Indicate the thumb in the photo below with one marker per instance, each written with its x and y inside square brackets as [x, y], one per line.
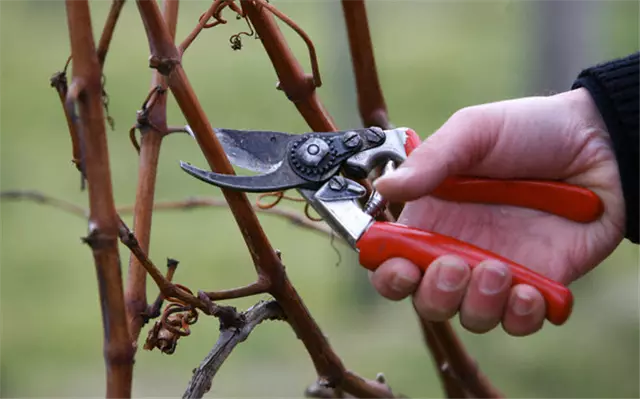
[463, 141]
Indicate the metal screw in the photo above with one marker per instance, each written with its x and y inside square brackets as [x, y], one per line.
[313, 151]
[375, 135]
[351, 139]
[337, 183]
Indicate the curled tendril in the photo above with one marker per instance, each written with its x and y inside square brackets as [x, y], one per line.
[315, 69]
[236, 41]
[173, 324]
[279, 196]
[183, 317]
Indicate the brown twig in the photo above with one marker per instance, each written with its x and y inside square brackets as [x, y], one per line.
[450, 384]
[168, 289]
[230, 337]
[259, 287]
[461, 365]
[296, 218]
[202, 24]
[298, 86]
[152, 129]
[153, 310]
[363, 388]
[373, 110]
[103, 221]
[315, 70]
[60, 83]
[41, 198]
[107, 31]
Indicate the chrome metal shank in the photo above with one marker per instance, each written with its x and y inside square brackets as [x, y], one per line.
[362, 163]
[337, 203]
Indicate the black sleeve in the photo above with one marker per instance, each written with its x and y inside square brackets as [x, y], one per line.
[614, 88]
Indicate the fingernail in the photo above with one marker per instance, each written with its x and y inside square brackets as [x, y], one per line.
[451, 276]
[403, 283]
[522, 304]
[492, 279]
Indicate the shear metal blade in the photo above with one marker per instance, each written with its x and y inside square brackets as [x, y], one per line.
[258, 151]
[282, 178]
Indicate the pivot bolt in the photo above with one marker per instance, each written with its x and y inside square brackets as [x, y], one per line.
[313, 151]
[351, 139]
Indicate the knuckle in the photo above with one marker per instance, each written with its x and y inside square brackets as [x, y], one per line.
[472, 113]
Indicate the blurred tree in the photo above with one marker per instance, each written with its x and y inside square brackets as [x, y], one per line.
[567, 38]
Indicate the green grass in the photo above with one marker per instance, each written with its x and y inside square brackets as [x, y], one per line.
[433, 58]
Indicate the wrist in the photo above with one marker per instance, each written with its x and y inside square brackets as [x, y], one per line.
[614, 88]
[582, 105]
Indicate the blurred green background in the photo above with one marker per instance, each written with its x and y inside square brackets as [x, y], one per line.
[434, 57]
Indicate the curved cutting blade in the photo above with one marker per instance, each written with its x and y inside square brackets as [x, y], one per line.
[282, 178]
[258, 151]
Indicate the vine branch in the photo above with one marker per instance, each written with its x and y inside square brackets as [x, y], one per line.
[152, 122]
[296, 218]
[230, 336]
[86, 93]
[107, 31]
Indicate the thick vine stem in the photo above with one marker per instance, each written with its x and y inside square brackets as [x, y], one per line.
[107, 31]
[463, 368]
[103, 220]
[152, 134]
[373, 110]
[298, 86]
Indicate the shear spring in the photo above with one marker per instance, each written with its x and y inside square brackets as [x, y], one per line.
[376, 203]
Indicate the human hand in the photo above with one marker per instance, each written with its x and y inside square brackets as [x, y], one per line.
[561, 137]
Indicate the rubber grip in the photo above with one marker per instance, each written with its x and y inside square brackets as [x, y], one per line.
[571, 202]
[384, 240]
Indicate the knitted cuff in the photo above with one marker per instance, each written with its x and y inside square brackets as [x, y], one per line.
[614, 88]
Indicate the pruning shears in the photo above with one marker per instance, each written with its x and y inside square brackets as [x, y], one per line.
[312, 163]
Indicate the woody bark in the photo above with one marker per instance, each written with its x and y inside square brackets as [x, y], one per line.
[152, 134]
[85, 92]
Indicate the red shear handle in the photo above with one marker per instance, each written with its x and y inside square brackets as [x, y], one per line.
[572, 202]
[383, 241]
